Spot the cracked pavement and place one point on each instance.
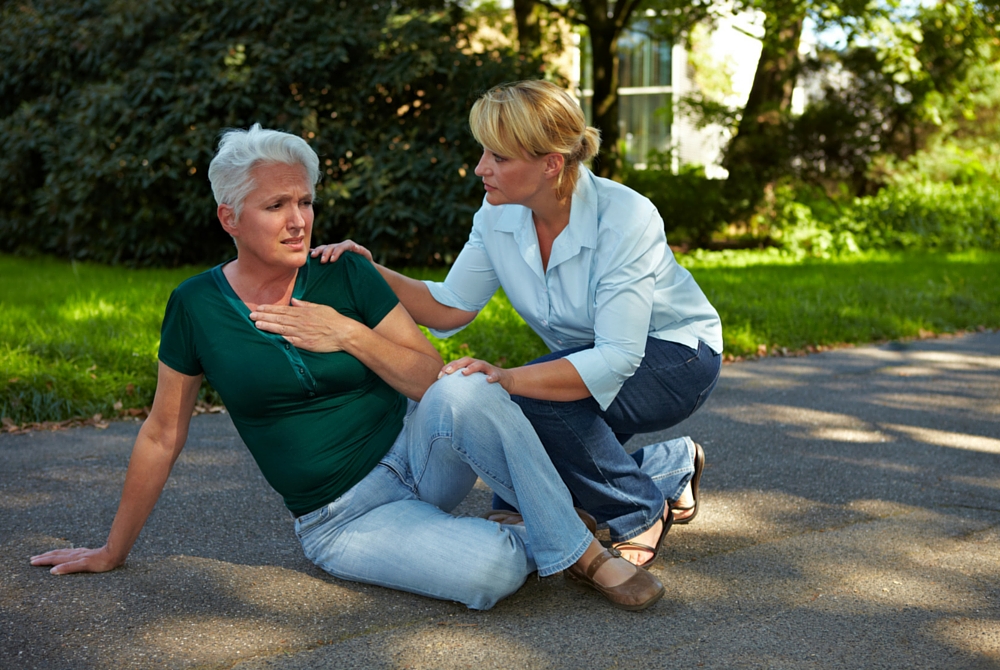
(850, 518)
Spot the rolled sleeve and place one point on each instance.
(470, 283)
(599, 370)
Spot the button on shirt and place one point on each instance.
(611, 281)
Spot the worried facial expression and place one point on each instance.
(275, 226)
(514, 180)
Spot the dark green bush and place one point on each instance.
(110, 111)
(691, 204)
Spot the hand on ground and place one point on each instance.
(81, 559)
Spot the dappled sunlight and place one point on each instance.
(23, 501)
(943, 438)
(760, 414)
(846, 435)
(982, 639)
(923, 403)
(796, 369)
(87, 473)
(868, 463)
(84, 309)
(432, 647)
(270, 589)
(951, 360)
(909, 371)
(758, 514)
(269, 609)
(899, 571)
(984, 482)
(212, 640)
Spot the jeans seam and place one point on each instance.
(572, 429)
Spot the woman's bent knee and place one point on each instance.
(458, 390)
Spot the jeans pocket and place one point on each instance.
(703, 396)
(305, 523)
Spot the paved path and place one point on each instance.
(851, 519)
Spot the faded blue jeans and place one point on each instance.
(394, 529)
(585, 443)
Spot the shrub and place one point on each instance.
(942, 216)
(691, 204)
(110, 111)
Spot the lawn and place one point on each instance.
(79, 339)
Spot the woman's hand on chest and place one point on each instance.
(309, 326)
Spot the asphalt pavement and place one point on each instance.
(850, 519)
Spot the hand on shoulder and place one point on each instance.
(328, 253)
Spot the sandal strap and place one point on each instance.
(629, 546)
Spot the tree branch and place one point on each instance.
(623, 11)
(565, 12)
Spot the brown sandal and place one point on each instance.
(636, 593)
(629, 545)
(699, 465)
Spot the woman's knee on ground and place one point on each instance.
(497, 579)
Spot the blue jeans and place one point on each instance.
(585, 443)
(394, 529)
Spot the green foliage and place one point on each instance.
(942, 216)
(691, 204)
(915, 216)
(904, 83)
(953, 161)
(110, 111)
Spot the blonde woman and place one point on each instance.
(635, 343)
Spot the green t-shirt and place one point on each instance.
(315, 423)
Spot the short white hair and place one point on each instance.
(240, 151)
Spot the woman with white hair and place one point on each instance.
(344, 417)
(635, 343)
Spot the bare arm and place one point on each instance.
(414, 294)
(160, 441)
(556, 380)
(395, 349)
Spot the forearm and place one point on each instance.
(405, 369)
(421, 305)
(557, 381)
(147, 473)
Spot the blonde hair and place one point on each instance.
(539, 118)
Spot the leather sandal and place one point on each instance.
(636, 593)
(699, 465)
(629, 545)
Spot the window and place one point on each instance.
(645, 93)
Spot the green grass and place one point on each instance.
(765, 299)
(80, 339)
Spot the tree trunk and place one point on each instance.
(529, 34)
(759, 151)
(604, 103)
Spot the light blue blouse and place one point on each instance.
(611, 281)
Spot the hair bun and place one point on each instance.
(589, 144)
